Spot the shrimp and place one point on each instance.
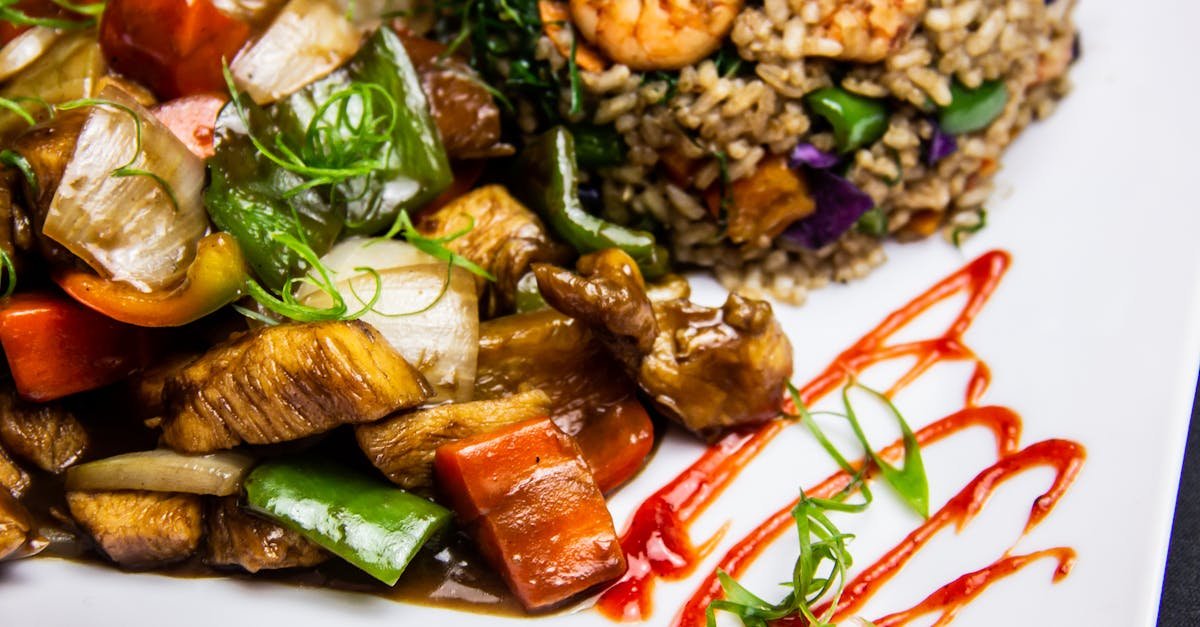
(863, 30)
(655, 34)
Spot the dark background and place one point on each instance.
(1181, 586)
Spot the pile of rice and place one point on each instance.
(761, 112)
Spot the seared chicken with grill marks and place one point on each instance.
(283, 383)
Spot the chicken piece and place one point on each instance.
(609, 296)
(557, 355)
(403, 446)
(505, 239)
(591, 397)
(18, 537)
(276, 384)
(13, 478)
(48, 435)
(862, 30)
(463, 109)
(236, 538)
(48, 148)
(138, 529)
(708, 369)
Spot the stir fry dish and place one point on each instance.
(383, 294)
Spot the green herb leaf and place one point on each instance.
(127, 169)
(287, 305)
(820, 572)
(8, 273)
(959, 231)
(436, 246)
(910, 481)
(16, 160)
(9, 13)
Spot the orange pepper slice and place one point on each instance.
(216, 278)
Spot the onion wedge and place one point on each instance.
(136, 229)
(17, 54)
(163, 470)
(308, 40)
(426, 311)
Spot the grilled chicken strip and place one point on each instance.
(236, 538)
(403, 446)
(708, 369)
(282, 383)
(48, 435)
(138, 529)
(505, 240)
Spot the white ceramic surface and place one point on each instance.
(1093, 335)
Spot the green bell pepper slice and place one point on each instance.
(373, 525)
(549, 184)
(414, 167)
(973, 110)
(856, 120)
(253, 196)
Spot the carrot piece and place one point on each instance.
(615, 442)
(530, 501)
(175, 47)
(56, 347)
(193, 119)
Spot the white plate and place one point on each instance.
(1093, 335)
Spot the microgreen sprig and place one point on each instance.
(8, 273)
(436, 246)
(13, 159)
(126, 170)
(335, 150)
(287, 305)
(820, 572)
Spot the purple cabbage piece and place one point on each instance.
(941, 145)
(839, 206)
(811, 156)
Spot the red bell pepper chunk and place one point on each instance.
(615, 441)
(193, 119)
(529, 499)
(175, 47)
(56, 347)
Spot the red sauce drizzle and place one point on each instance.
(953, 596)
(657, 542)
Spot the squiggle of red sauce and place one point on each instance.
(657, 543)
(951, 597)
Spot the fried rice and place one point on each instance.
(727, 123)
